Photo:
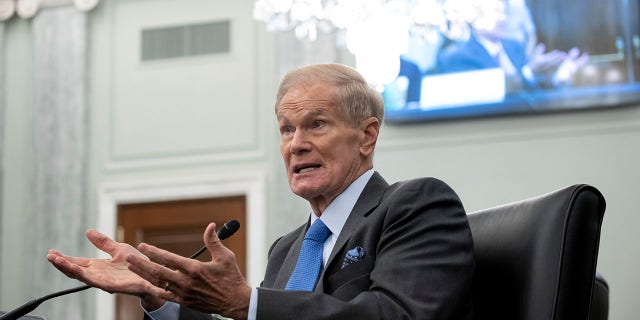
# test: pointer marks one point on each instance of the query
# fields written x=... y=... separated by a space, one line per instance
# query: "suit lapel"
x=369 y=199
x=291 y=259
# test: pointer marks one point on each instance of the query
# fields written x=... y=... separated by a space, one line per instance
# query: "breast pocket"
x=351 y=280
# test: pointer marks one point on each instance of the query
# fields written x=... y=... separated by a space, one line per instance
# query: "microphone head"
x=228 y=229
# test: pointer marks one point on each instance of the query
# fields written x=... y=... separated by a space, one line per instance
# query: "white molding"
x=138 y=191
x=209 y=156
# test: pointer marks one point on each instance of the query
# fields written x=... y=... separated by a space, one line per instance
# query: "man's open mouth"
x=306 y=168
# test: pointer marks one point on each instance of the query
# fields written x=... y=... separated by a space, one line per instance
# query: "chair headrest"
x=536 y=258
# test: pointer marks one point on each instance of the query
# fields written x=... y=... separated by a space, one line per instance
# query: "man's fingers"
x=63 y=264
x=163 y=257
x=79 y=261
x=101 y=241
x=163 y=281
x=539 y=49
x=219 y=253
x=163 y=265
x=149 y=271
x=211 y=241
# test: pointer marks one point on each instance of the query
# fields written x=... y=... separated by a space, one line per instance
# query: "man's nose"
x=299 y=142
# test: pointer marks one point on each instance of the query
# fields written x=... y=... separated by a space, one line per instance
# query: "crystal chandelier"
x=28 y=8
x=377 y=31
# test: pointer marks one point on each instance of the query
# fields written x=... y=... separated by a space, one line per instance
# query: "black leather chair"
x=600 y=299
x=536 y=258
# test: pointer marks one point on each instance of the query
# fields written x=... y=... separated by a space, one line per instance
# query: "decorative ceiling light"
x=28 y=8
x=377 y=31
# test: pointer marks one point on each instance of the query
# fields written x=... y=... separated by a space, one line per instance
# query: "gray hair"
x=356 y=99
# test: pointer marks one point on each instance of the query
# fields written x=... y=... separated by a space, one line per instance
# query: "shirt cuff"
x=171 y=310
x=168 y=311
x=253 y=305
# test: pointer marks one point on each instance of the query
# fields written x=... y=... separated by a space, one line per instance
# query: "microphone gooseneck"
x=31 y=305
x=227 y=230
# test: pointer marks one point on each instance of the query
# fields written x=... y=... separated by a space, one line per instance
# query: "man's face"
x=322 y=152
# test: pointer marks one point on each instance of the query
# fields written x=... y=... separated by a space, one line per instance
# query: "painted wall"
x=213 y=116
x=16 y=164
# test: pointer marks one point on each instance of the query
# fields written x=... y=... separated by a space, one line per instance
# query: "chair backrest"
x=600 y=299
x=536 y=258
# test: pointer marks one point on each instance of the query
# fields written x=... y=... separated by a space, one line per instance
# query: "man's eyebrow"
x=307 y=114
x=315 y=112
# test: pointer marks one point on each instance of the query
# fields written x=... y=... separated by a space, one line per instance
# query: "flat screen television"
x=547 y=55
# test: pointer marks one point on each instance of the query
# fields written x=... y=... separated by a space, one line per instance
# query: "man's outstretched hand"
x=212 y=287
x=157 y=275
x=111 y=275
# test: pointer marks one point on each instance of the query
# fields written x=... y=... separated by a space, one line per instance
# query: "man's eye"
x=317 y=124
x=286 y=130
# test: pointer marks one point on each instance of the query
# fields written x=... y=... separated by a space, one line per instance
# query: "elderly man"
x=369 y=250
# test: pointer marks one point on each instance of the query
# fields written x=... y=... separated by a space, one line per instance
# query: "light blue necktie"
x=309 y=263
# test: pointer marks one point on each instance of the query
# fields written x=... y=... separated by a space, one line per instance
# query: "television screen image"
x=539 y=56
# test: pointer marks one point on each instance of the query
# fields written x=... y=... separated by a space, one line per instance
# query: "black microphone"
x=227 y=230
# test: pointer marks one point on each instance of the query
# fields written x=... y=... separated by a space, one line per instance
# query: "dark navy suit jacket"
x=417 y=260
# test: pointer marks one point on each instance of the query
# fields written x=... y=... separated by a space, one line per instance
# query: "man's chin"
x=304 y=190
x=303 y=193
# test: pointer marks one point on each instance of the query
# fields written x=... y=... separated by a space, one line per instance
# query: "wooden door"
x=178 y=226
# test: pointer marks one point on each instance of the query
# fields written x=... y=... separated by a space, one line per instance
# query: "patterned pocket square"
x=354 y=255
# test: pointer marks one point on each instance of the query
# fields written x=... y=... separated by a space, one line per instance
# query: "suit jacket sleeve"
x=418 y=262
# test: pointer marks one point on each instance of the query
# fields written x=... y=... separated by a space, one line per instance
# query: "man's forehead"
x=312 y=110
x=311 y=91
x=313 y=100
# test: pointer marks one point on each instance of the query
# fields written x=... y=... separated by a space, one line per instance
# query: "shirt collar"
x=336 y=214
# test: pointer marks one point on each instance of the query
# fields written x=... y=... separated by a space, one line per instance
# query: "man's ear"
x=370 y=128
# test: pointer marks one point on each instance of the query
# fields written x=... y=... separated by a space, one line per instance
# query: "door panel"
x=178 y=226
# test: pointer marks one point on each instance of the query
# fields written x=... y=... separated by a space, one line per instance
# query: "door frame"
x=252 y=186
